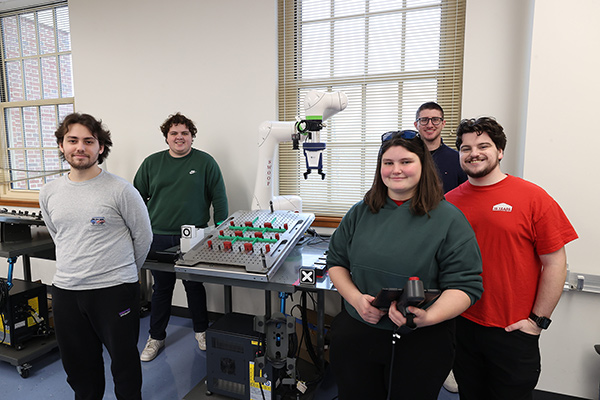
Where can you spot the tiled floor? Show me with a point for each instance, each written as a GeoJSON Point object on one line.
{"type": "Point", "coordinates": [174, 373]}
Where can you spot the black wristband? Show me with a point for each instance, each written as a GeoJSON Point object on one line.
{"type": "Point", "coordinates": [542, 322]}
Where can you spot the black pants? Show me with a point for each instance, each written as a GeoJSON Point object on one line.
{"type": "Point", "coordinates": [162, 294]}
{"type": "Point", "coordinates": [494, 364]}
{"type": "Point", "coordinates": [361, 357]}
{"type": "Point", "coordinates": [84, 320]}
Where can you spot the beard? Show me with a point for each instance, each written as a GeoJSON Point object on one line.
{"type": "Point", "coordinates": [484, 172]}
{"type": "Point", "coordinates": [81, 164]}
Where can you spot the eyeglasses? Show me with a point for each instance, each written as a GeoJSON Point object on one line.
{"type": "Point", "coordinates": [406, 134]}
{"type": "Point", "coordinates": [435, 121]}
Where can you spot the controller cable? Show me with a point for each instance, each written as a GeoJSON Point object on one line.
{"type": "Point", "coordinates": [5, 285]}
{"type": "Point", "coordinates": [4, 288]}
{"type": "Point", "coordinates": [396, 336]}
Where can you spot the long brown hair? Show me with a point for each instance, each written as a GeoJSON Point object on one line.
{"type": "Point", "coordinates": [428, 193]}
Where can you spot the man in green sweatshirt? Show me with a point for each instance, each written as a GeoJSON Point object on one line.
{"type": "Point", "coordinates": [178, 185]}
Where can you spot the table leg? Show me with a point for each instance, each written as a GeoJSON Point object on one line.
{"type": "Point", "coordinates": [228, 299]}
{"type": "Point", "coordinates": [26, 268]}
{"type": "Point", "coordinates": [321, 328]}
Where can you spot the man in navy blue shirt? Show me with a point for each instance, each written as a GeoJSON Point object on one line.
{"type": "Point", "coordinates": [430, 122]}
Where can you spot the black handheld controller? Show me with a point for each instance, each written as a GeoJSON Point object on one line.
{"type": "Point", "coordinates": [412, 295]}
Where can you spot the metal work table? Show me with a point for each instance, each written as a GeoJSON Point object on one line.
{"type": "Point", "coordinates": [285, 280]}
{"type": "Point", "coordinates": [41, 246]}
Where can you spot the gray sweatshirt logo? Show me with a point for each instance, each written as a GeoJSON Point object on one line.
{"type": "Point", "coordinates": [98, 221]}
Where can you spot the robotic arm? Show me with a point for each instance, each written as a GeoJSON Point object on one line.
{"type": "Point", "coordinates": [318, 106]}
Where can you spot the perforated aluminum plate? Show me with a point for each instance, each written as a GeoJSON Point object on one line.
{"type": "Point", "coordinates": [256, 241]}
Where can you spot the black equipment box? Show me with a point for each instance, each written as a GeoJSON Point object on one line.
{"type": "Point", "coordinates": [25, 314]}
{"type": "Point", "coordinates": [232, 345]}
{"type": "Point", "coordinates": [15, 225]}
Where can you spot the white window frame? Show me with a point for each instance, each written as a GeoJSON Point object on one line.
{"type": "Point", "coordinates": [30, 116]}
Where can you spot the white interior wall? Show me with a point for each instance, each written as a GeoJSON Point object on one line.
{"type": "Point", "coordinates": [136, 62]}
{"type": "Point", "coordinates": [496, 69]}
{"type": "Point", "coordinates": [531, 65]}
{"type": "Point", "coordinates": [185, 56]}
{"type": "Point", "coordinates": [560, 155]}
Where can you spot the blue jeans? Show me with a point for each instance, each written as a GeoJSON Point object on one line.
{"type": "Point", "coordinates": [162, 294]}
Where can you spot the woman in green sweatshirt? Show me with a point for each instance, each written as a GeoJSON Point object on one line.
{"type": "Point", "coordinates": [402, 228]}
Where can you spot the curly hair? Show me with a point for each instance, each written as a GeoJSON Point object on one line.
{"type": "Point", "coordinates": [176, 119]}
{"type": "Point", "coordinates": [95, 127]}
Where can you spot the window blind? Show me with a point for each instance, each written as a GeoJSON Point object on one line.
{"type": "Point", "coordinates": [36, 92]}
{"type": "Point", "coordinates": [388, 57]}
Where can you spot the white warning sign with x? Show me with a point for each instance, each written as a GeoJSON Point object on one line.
{"type": "Point", "coordinates": [308, 276]}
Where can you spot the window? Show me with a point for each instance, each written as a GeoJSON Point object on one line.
{"type": "Point", "coordinates": [36, 93]}
{"type": "Point", "coordinates": [389, 57]}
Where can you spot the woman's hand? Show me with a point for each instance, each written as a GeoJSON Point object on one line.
{"type": "Point", "coordinates": [450, 304]}
{"type": "Point", "coordinates": [370, 314]}
{"type": "Point", "coordinates": [361, 302]}
{"type": "Point", "coordinates": [421, 318]}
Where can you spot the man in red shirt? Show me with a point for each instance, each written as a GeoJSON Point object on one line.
{"type": "Point", "coordinates": [522, 233]}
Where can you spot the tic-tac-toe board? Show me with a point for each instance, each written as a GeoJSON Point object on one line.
{"type": "Point", "coordinates": [253, 243]}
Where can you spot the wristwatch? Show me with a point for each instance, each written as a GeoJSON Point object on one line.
{"type": "Point", "coordinates": [542, 322]}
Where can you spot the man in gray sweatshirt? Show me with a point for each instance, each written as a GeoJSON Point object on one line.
{"type": "Point", "coordinates": [101, 230]}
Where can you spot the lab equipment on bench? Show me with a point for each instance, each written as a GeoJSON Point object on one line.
{"type": "Point", "coordinates": [16, 225]}
{"type": "Point", "coordinates": [247, 245]}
